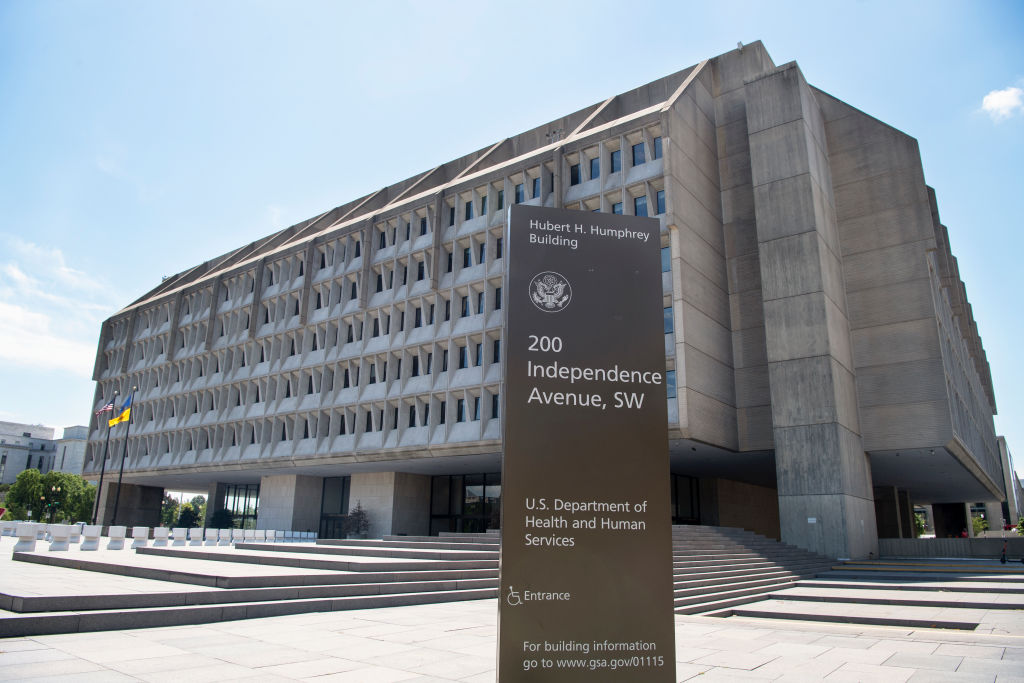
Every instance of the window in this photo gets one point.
(595, 168)
(376, 327)
(670, 383)
(479, 355)
(497, 298)
(638, 154)
(479, 302)
(460, 410)
(483, 205)
(476, 408)
(451, 215)
(469, 210)
(412, 416)
(354, 292)
(617, 208)
(660, 199)
(483, 253)
(369, 421)
(444, 361)
(536, 187)
(616, 161)
(444, 409)
(356, 253)
(405, 275)
(449, 254)
(415, 365)
(668, 320)
(380, 282)
(426, 415)
(463, 357)
(383, 240)
(467, 257)
(447, 310)
(501, 199)
(666, 259)
(496, 351)
(430, 362)
(498, 248)
(431, 319)
(494, 405)
(574, 174)
(423, 226)
(408, 231)
(520, 194)
(465, 306)
(657, 147)
(421, 270)
(640, 205)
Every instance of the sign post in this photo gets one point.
(586, 551)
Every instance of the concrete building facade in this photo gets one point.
(825, 371)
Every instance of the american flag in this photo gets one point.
(106, 409)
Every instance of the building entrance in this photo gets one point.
(334, 507)
(467, 503)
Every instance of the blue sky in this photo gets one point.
(138, 139)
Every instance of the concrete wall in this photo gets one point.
(988, 548)
(823, 473)
(290, 502)
(137, 505)
(755, 508)
(395, 502)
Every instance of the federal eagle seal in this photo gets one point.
(550, 291)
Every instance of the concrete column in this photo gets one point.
(887, 518)
(395, 502)
(137, 506)
(290, 502)
(824, 476)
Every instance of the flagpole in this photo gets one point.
(124, 454)
(103, 464)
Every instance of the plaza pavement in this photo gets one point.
(456, 641)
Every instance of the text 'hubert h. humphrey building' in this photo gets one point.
(825, 371)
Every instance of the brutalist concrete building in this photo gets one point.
(825, 370)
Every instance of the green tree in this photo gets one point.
(168, 510)
(979, 524)
(187, 516)
(26, 494)
(918, 525)
(199, 505)
(221, 519)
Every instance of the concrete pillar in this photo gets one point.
(824, 476)
(906, 511)
(395, 502)
(887, 518)
(994, 515)
(137, 506)
(290, 502)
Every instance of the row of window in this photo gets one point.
(638, 157)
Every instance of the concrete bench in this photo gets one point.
(271, 535)
(60, 536)
(250, 535)
(179, 535)
(195, 535)
(140, 536)
(115, 536)
(27, 537)
(91, 537)
(160, 536)
(261, 535)
(225, 537)
(237, 536)
(211, 536)
(76, 532)
(8, 528)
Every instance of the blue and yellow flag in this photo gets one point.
(123, 413)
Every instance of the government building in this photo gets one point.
(825, 373)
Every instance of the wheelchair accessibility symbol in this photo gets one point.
(513, 598)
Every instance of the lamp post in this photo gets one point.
(52, 505)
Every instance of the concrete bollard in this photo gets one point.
(179, 535)
(212, 535)
(116, 535)
(160, 536)
(26, 533)
(60, 536)
(140, 536)
(195, 535)
(91, 537)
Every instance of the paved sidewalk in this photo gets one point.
(456, 642)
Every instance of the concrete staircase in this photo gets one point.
(720, 567)
(189, 585)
